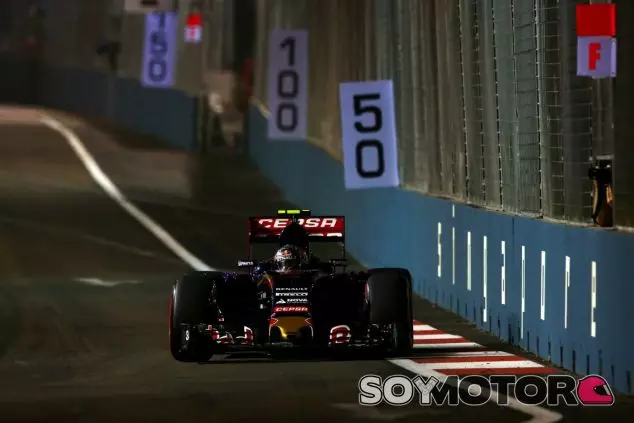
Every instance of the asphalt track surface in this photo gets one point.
(84, 292)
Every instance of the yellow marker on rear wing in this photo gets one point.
(303, 212)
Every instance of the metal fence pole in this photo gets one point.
(545, 173)
(527, 106)
(431, 165)
(490, 162)
(415, 158)
(452, 91)
(472, 105)
(506, 103)
(623, 172)
(576, 122)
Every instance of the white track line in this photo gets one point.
(449, 345)
(539, 414)
(516, 364)
(437, 336)
(113, 192)
(467, 354)
(103, 283)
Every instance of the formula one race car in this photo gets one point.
(293, 299)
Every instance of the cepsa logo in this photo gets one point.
(315, 226)
(311, 222)
(290, 309)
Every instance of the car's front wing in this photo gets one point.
(222, 340)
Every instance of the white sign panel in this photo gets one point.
(148, 6)
(193, 34)
(159, 50)
(369, 134)
(288, 84)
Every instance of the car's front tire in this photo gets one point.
(189, 306)
(390, 300)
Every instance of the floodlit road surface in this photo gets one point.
(85, 280)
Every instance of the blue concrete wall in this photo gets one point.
(392, 227)
(16, 81)
(168, 114)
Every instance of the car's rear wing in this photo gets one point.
(318, 228)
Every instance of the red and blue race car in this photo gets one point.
(292, 298)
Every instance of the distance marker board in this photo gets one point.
(369, 135)
(159, 50)
(288, 84)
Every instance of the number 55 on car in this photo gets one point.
(369, 134)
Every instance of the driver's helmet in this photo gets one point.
(289, 258)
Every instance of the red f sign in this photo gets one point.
(596, 45)
(594, 54)
(596, 57)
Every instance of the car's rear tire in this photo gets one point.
(390, 298)
(189, 305)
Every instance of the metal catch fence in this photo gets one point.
(489, 108)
